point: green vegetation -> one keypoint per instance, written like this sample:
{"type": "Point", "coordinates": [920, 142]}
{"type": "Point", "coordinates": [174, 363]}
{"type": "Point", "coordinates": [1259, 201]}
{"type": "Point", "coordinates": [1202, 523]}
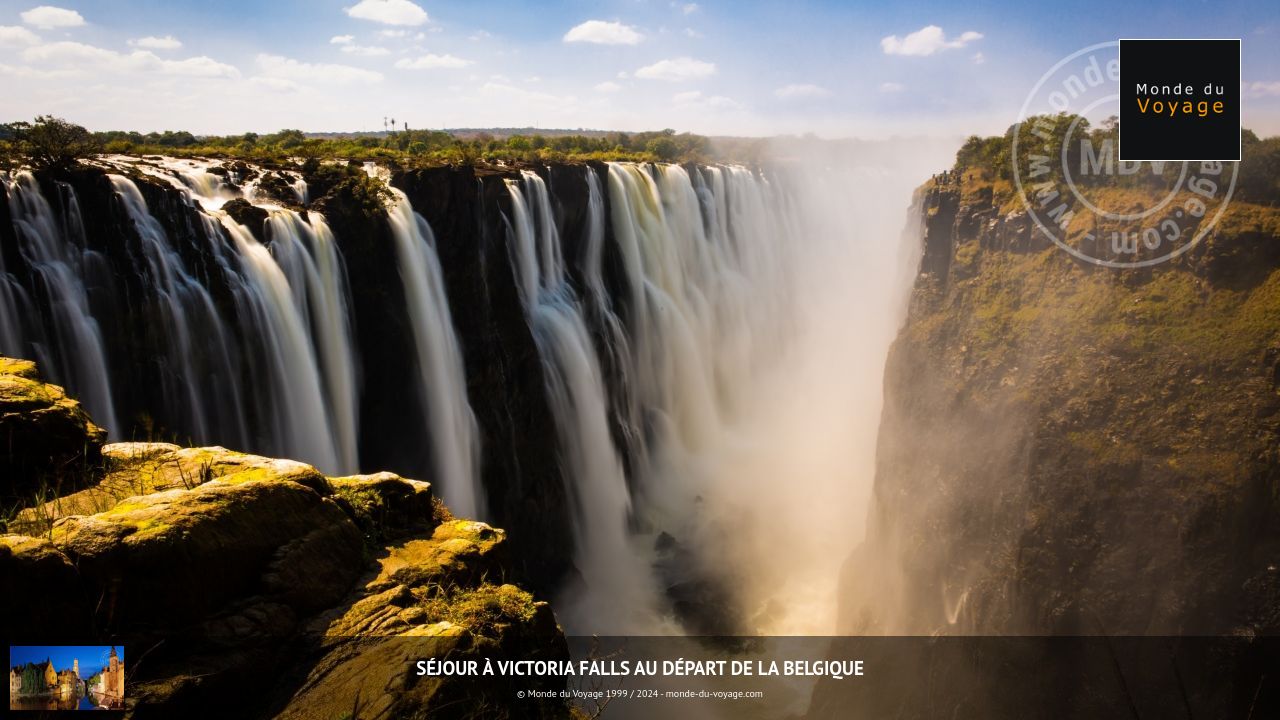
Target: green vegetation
{"type": "Point", "coordinates": [990, 160]}
{"type": "Point", "coordinates": [51, 142]}
{"type": "Point", "coordinates": [47, 143]}
{"type": "Point", "coordinates": [483, 610]}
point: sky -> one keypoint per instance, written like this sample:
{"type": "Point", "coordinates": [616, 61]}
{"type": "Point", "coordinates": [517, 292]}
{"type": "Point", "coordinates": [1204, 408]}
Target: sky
{"type": "Point", "coordinates": [837, 69]}
{"type": "Point", "coordinates": [92, 657]}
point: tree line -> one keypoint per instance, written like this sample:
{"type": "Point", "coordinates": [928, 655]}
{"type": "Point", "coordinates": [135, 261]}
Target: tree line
{"type": "Point", "coordinates": [1257, 181]}
{"type": "Point", "coordinates": [50, 142]}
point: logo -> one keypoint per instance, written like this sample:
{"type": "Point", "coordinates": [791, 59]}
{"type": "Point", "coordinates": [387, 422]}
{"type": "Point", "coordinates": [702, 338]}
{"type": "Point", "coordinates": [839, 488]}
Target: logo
{"type": "Point", "coordinates": [1077, 191]}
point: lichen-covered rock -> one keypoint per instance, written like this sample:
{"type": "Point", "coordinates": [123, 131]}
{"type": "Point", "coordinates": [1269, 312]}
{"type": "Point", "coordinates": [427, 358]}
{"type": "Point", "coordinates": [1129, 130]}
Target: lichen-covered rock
{"type": "Point", "coordinates": [259, 587]}
{"type": "Point", "coordinates": [385, 504]}
{"type": "Point", "coordinates": [174, 557]}
{"type": "Point", "coordinates": [138, 468]}
{"type": "Point", "coordinates": [433, 597]}
{"type": "Point", "coordinates": [47, 441]}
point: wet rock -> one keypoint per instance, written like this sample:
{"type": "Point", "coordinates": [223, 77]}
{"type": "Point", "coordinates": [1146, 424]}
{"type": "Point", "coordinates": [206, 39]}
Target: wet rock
{"type": "Point", "coordinates": [252, 217]}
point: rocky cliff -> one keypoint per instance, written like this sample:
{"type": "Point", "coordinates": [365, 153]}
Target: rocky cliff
{"type": "Point", "coordinates": [1070, 450]}
{"type": "Point", "coordinates": [253, 587]}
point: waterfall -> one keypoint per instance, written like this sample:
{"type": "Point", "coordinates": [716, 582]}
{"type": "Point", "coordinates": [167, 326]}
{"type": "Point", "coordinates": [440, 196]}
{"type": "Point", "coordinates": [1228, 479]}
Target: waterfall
{"type": "Point", "coordinates": [198, 374]}
{"type": "Point", "coordinates": [617, 593]}
{"type": "Point", "coordinates": [57, 254]}
{"type": "Point", "coordinates": [441, 381]}
{"type": "Point", "coordinates": [712, 347]}
{"type": "Point", "coordinates": [300, 419]}
{"type": "Point", "coordinates": [297, 297]}
{"type": "Point", "coordinates": [309, 258]}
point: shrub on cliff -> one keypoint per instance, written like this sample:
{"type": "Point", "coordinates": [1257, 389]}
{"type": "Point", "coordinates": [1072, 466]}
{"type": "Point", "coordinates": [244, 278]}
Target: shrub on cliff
{"type": "Point", "coordinates": [351, 185]}
{"type": "Point", "coordinates": [53, 143]}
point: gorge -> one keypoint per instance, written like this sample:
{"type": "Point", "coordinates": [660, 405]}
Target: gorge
{"type": "Point", "coordinates": [664, 382]}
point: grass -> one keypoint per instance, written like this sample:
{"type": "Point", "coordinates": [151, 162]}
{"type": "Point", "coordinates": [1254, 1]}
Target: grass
{"type": "Point", "coordinates": [484, 610]}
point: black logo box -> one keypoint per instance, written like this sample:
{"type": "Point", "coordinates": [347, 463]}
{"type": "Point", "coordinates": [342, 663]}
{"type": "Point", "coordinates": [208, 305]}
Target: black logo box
{"type": "Point", "coordinates": [1180, 64]}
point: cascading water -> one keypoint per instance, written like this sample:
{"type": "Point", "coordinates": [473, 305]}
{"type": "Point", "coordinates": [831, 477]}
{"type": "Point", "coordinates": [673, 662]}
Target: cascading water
{"type": "Point", "coordinates": [195, 380]}
{"type": "Point", "coordinates": [441, 380]}
{"type": "Point", "coordinates": [718, 385]}
{"type": "Point", "coordinates": [761, 307]}
{"type": "Point", "coordinates": [300, 421]}
{"type": "Point", "coordinates": [309, 258]}
{"type": "Point", "coordinates": [297, 297]}
{"type": "Point", "coordinates": [55, 251]}
{"type": "Point", "coordinates": [617, 591]}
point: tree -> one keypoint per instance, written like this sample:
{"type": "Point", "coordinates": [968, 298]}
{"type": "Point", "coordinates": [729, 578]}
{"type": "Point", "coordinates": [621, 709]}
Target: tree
{"type": "Point", "coordinates": [54, 143]}
{"type": "Point", "coordinates": [664, 148]}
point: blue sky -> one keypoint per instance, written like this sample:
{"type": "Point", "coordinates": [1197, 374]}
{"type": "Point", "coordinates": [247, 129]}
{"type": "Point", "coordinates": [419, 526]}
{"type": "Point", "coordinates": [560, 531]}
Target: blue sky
{"type": "Point", "coordinates": [858, 69]}
{"type": "Point", "coordinates": [92, 657]}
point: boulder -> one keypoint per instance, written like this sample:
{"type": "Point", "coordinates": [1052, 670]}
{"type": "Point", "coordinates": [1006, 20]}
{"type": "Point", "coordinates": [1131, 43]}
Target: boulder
{"type": "Point", "coordinates": [140, 468]}
{"type": "Point", "coordinates": [386, 505]}
{"type": "Point", "coordinates": [252, 217]}
{"type": "Point", "coordinates": [47, 441]}
{"type": "Point", "coordinates": [434, 597]}
{"type": "Point", "coordinates": [173, 558]}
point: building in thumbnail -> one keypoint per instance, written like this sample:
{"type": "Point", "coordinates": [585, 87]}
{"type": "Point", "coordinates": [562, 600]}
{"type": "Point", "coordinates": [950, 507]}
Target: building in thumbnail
{"type": "Point", "coordinates": [69, 679]}
{"type": "Point", "coordinates": [111, 680]}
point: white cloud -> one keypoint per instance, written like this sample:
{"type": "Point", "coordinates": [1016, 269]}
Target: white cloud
{"type": "Point", "coordinates": [603, 32]}
{"type": "Point", "coordinates": [1259, 89]}
{"type": "Point", "coordinates": [47, 17]}
{"type": "Point", "coordinates": [393, 33]}
{"type": "Point", "coordinates": [275, 83]}
{"type": "Point", "coordinates": [78, 56]}
{"type": "Point", "coordinates": [389, 12]}
{"type": "Point", "coordinates": [520, 96]}
{"type": "Point", "coordinates": [199, 66]}
{"type": "Point", "coordinates": [479, 35]}
{"type": "Point", "coordinates": [690, 32]}
{"type": "Point", "coordinates": [608, 86]}
{"type": "Point", "coordinates": [979, 58]}
{"type": "Point", "coordinates": [715, 102]}
{"type": "Point", "coordinates": [800, 91]}
{"type": "Point", "coordinates": [278, 66]}
{"type": "Point", "coordinates": [15, 35]}
{"type": "Point", "coordinates": [431, 61]}
{"type": "Point", "coordinates": [689, 8]}
{"type": "Point", "coordinates": [890, 88]}
{"type": "Point", "coordinates": [69, 54]}
{"type": "Point", "coordinates": [341, 39]}
{"type": "Point", "coordinates": [168, 42]}
{"type": "Point", "coordinates": [677, 70]}
{"type": "Point", "coordinates": [365, 50]}
{"type": "Point", "coordinates": [926, 41]}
